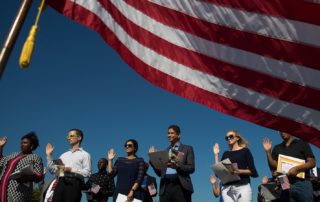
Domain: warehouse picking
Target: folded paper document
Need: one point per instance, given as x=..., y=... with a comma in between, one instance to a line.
x=25, y=171
x=224, y=171
x=285, y=163
x=123, y=198
x=159, y=159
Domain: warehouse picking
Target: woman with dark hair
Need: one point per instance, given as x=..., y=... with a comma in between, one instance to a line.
x=129, y=171
x=20, y=189
x=243, y=164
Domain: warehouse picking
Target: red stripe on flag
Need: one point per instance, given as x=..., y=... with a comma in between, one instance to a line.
x=300, y=10
x=214, y=101
x=253, y=80
x=274, y=48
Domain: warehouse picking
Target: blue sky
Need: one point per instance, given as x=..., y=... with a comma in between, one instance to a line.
x=76, y=80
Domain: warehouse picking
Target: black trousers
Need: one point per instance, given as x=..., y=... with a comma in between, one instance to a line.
x=68, y=190
x=174, y=192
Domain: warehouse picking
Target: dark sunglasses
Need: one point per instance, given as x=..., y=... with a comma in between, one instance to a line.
x=229, y=137
x=128, y=145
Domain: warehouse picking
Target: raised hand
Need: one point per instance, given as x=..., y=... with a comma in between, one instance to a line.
x=267, y=144
x=111, y=154
x=152, y=149
x=213, y=179
x=49, y=149
x=216, y=149
x=3, y=141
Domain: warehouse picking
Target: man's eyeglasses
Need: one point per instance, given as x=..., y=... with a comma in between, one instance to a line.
x=128, y=145
x=229, y=137
x=72, y=135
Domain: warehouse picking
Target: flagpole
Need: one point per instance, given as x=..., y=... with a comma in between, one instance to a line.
x=13, y=34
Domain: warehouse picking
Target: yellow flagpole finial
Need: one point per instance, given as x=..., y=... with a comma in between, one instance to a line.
x=28, y=47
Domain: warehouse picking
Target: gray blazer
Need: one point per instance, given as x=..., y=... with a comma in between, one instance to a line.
x=186, y=167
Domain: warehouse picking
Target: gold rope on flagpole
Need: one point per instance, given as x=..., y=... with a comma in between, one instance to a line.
x=28, y=46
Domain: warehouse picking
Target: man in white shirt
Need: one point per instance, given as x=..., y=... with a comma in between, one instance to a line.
x=72, y=167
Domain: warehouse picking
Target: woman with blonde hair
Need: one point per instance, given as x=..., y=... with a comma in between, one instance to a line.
x=243, y=165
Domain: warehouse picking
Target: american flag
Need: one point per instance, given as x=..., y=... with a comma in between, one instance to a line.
x=255, y=60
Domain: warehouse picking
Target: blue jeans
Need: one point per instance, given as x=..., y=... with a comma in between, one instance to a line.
x=299, y=191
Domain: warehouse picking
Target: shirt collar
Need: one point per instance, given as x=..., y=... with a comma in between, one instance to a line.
x=177, y=145
x=293, y=142
x=79, y=149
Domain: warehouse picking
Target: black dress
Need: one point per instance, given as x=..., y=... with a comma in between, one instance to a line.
x=128, y=172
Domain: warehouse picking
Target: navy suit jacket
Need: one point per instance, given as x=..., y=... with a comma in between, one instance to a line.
x=186, y=167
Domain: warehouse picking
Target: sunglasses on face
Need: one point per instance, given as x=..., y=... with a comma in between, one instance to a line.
x=229, y=137
x=128, y=145
x=72, y=135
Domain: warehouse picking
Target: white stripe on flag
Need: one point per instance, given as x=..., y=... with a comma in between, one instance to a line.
x=279, y=28
x=279, y=69
x=204, y=81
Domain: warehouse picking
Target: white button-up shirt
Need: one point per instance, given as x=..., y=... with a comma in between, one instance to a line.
x=79, y=161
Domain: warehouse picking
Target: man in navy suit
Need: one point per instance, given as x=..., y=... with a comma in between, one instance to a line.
x=175, y=183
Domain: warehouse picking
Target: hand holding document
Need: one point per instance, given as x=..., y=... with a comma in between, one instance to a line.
x=95, y=188
x=123, y=198
x=285, y=163
x=225, y=171
x=25, y=171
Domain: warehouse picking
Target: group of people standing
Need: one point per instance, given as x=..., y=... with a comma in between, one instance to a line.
x=296, y=189
x=73, y=166
x=133, y=182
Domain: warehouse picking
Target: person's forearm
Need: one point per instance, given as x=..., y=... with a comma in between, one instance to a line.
x=272, y=163
x=244, y=172
x=186, y=169
x=109, y=166
x=50, y=165
x=307, y=166
x=86, y=172
x=216, y=158
x=135, y=186
x=157, y=171
x=216, y=190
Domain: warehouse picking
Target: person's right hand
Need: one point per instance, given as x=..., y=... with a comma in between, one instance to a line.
x=49, y=149
x=152, y=149
x=3, y=141
x=267, y=144
x=111, y=154
x=216, y=149
x=213, y=179
x=264, y=180
x=67, y=169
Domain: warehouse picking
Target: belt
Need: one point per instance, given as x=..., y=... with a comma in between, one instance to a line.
x=73, y=175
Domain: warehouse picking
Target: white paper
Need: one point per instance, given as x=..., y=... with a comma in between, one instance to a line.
x=123, y=198
x=314, y=172
x=25, y=171
x=224, y=173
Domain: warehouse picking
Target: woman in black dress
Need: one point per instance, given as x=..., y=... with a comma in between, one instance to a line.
x=129, y=171
x=242, y=160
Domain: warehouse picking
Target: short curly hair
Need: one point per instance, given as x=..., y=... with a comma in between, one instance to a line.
x=33, y=138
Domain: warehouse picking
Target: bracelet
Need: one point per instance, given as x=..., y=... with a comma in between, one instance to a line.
x=133, y=190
